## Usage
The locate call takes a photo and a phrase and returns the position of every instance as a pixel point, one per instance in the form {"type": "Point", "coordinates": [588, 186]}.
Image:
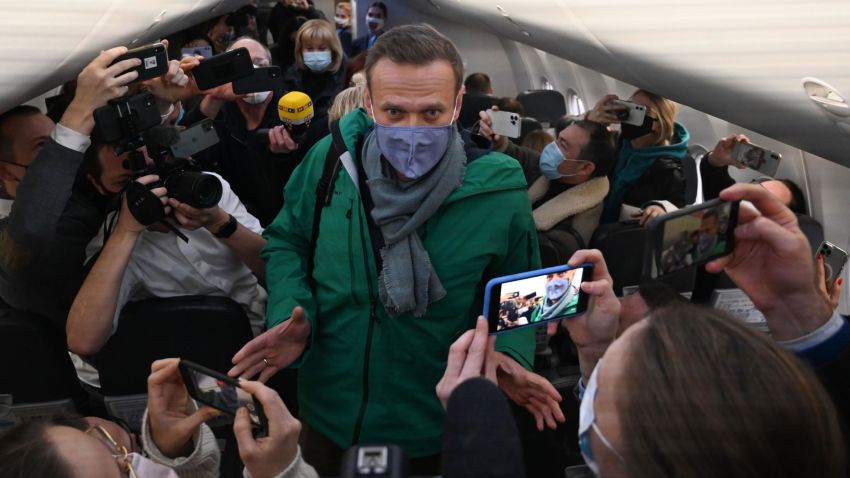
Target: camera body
{"type": "Point", "coordinates": [374, 461]}
{"type": "Point", "coordinates": [131, 122]}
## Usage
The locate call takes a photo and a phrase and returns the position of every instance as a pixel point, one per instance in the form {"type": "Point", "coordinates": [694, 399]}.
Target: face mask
{"type": "Point", "coordinates": [551, 158]}
{"type": "Point", "coordinates": [256, 98]}
{"type": "Point", "coordinates": [374, 23]}
{"type": "Point", "coordinates": [317, 61]}
{"type": "Point", "coordinates": [147, 468]}
{"type": "Point", "coordinates": [587, 422]}
{"type": "Point", "coordinates": [555, 288]}
{"type": "Point", "coordinates": [413, 150]}
{"type": "Point", "coordinates": [341, 22]}
{"type": "Point", "coordinates": [631, 132]}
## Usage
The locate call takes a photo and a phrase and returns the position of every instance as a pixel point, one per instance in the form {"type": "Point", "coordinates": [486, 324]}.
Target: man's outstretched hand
{"type": "Point", "coordinates": [274, 349]}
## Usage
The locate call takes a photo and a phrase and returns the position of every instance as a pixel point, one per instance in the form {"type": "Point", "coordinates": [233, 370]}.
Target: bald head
{"type": "Point", "coordinates": [260, 54]}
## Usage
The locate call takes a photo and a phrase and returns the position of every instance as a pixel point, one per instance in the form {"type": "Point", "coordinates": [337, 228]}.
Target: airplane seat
{"type": "Point", "coordinates": [204, 329]}
{"type": "Point", "coordinates": [528, 125]}
{"type": "Point", "coordinates": [471, 105]}
{"type": "Point", "coordinates": [36, 365]}
{"type": "Point", "coordinates": [689, 165]}
{"type": "Point", "coordinates": [546, 106]}
{"type": "Point", "coordinates": [622, 244]}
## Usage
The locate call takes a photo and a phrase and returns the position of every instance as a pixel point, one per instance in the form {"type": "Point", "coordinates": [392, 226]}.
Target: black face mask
{"type": "Point", "coordinates": [630, 132]}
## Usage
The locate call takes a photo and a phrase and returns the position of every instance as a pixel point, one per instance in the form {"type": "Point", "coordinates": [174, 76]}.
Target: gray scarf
{"type": "Point", "coordinates": [408, 281]}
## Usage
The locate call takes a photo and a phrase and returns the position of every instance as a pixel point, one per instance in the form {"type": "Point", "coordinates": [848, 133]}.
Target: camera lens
{"type": "Point", "coordinates": [198, 190]}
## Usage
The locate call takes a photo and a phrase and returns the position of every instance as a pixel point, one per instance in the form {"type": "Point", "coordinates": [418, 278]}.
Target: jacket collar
{"type": "Point", "coordinates": [575, 200]}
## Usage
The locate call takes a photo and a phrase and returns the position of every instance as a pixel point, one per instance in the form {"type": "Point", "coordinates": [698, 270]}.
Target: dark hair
{"type": "Point", "coordinates": [414, 45]}
{"type": "Point", "coordinates": [601, 150]}
{"type": "Point", "coordinates": [537, 140]}
{"type": "Point", "coordinates": [477, 84]}
{"type": "Point", "coordinates": [379, 5]}
{"type": "Point", "coordinates": [798, 199]}
{"type": "Point", "coordinates": [705, 395]}
{"type": "Point", "coordinates": [91, 160]}
{"type": "Point", "coordinates": [17, 111]}
{"type": "Point", "coordinates": [509, 103]}
{"type": "Point", "coordinates": [659, 294]}
{"type": "Point", "coordinates": [26, 451]}
{"type": "Point", "coordinates": [564, 122]}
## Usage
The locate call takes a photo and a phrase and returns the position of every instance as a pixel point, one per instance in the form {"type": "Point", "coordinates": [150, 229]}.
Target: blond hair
{"type": "Point", "coordinates": [666, 110]}
{"type": "Point", "coordinates": [358, 79]}
{"type": "Point", "coordinates": [345, 6]}
{"type": "Point", "coordinates": [347, 101]}
{"type": "Point", "coordinates": [323, 31]}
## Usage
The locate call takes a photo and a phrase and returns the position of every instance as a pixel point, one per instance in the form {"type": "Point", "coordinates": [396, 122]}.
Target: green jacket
{"type": "Point", "coordinates": [366, 377]}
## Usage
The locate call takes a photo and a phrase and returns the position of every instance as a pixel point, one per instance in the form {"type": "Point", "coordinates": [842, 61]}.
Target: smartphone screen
{"type": "Point", "coordinates": [693, 235]}
{"type": "Point", "coordinates": [220, 392]}
{"type": "Point", "coordinates": [204, 51]}
{"type": "Point", "coordinates": [536, 297]}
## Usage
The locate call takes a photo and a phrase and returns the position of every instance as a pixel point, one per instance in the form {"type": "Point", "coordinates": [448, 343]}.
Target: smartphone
{"type": "Point", "coordinates": [755, 157]}
{"type": "Point", "coordinates": [633, 114]}
{"type": "Point", "coordinates": [505, 123]}
{"type": "Point", "coordinates": [267, 78]}
{"type": "Point", "coordinates": [221, 392]}
{"type": "Point", "coordinates": [154, 61]}
{"type": "Point", "coordinates": [690, 237]}
{"type": "Point", "coordinates": [116, 120]}
{"type": "Point", "coordinates": [834, 259]}
{"type": "Point", "coordinates": [204, 51]}
{"type": "Point", "coordinates": [195, 138]}
{"type": "Point", "coordinates": [223, 68]}
{"type": "Point", "coordinates": [532, 298]}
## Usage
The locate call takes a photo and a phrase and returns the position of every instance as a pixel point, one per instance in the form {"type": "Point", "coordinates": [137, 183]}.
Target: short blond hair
{"type": "Point", "coordinates": [666, 110]}
{"type": "Point", "coordinates": [322, 31]}
{"type": "Point", "coordinates": [358, 79]}
{"type": "Point", "coordinates": [345, 6]}
{"type": "Point", "coordinates": [347, 101]}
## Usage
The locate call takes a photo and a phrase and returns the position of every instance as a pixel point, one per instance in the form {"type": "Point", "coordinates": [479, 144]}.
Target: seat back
{"type": "Point", "coordinates": [470, 107]}
{"type": "Point", "coordinates": [35, 362]}
{"type": "Point", "coordinates": [813, 231]}
{"type": "Point", "coordinates": [546, 106]}
{"type": "Point", "coordinates": [206, 330]}
{"type": "Point", "coordinates": [11, 414]}
{"type": "Point", "coordinates": [527, 125]}
{"type": "Point", "coordinates": [622, 246]}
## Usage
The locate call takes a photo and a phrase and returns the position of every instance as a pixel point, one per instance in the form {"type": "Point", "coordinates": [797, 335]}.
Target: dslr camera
{"type": "Point", "coordinates": [131, 122]}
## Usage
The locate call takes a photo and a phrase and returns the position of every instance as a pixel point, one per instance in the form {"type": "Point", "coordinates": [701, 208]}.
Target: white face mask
{"type": "Point", "coordinates": [147, 468]}
{"type": "Point", "coordinates": [256, 98]}
{"type": "Point", "coordinates": [341, 22]}
{"type": "Point", "coordinates": [374, 23]}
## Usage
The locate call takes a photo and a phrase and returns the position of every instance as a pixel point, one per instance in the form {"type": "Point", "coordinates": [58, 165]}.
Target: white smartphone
{"type": "Point", "coordinates": [505, 123]}
{"type": "Point", "coordinates": [755, 157]}
{"type": "Point", "coordinates": [834, 259]}
{"type": "Point", "coordinates": [633, 114]}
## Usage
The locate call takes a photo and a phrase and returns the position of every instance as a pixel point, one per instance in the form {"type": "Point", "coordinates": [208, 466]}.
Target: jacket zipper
{"type": "Point", "coordinates": [358, 425]}
{"type": "Point", "coordinates": [351, 256]}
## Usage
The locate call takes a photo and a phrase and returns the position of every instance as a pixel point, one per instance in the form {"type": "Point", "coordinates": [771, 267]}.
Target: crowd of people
{"type": "Point", "coordinates": [358, 250]}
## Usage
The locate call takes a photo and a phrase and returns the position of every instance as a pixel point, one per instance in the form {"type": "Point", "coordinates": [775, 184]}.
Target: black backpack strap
{"type": "Point", "coordinates": [375, 234]}
{"type": "Point", "coordinates": [324, 192]}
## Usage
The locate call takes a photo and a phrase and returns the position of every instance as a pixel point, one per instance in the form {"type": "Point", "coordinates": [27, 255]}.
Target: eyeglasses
{"type": "Point", "coordinates": [119, 452]}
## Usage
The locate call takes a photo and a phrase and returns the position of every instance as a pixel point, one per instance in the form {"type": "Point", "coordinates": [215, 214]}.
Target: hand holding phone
{"type": "Point", "coordinates": [505, 123]}
{"type": "Point", "coordinates": [270, 455]}
{"type": "Point", "coordinates": [689, 237]}
{"type": "Point", "coordinates": [535, 297]}
{"type": "Point", "coordinates": [223, 68]}
{"type": "Point", "coordinates": [755, 157]}
{"type": "Point", "coordinates": [221, 392]}
{"type": "Point", "coordinates": [834, 259]}
{"type": "Point", "coordinates": [154, 61]}
{"type": "Point", "coordinates": [172, 425]}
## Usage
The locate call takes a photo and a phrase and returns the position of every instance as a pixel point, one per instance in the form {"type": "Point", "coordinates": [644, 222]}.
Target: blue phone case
{"type": "Point", "coordinates": [488, 289]}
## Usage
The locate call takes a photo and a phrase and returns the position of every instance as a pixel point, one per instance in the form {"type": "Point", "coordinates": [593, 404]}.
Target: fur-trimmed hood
{"type": "Point", "coordinates": [575, 200]}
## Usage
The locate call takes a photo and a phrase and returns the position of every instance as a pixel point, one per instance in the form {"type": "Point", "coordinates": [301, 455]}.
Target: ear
{"type": "Point", "coordinates": [368, 104]}
{"type": "Point", "coordinates": [96, 184]}
{"type": "Point", "coordinates": [587, 168]}
{"type": "Point", "coordinates": [459, 100]}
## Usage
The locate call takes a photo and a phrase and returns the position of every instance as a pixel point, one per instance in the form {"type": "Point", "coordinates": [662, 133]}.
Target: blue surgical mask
{"type": "Point", "coordinates": [413, 150]}
{"type": "Point", "coordinates": [556, 287]}
{"type": "Point", "coordinates": [550, 158]}
{"type": "Point", "coordinates": [587, 422]}
{"type": "Point", "coordinates": [317, 61]}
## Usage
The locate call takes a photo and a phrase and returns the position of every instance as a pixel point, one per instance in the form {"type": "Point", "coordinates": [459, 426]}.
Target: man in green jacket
{"type": "Point", "coordinates": [371, 332]}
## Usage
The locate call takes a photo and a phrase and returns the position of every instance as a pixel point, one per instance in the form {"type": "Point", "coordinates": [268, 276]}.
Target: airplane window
{"type": "Point", "coordinates": [575, 105]}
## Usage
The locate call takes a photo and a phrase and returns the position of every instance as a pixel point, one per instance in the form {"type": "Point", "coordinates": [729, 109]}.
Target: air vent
{"type": "Point", "coordinates": [827, 98]}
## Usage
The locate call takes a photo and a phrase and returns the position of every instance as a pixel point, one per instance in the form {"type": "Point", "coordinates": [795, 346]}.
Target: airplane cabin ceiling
{"type": "Point", "coordinates": [743, 61]}
{"type": "Point", "coordinates": [44, 43]}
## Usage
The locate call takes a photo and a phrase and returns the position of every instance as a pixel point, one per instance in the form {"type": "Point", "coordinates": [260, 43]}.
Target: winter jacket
{"type": "Point", "coordinates": [366, 377]}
